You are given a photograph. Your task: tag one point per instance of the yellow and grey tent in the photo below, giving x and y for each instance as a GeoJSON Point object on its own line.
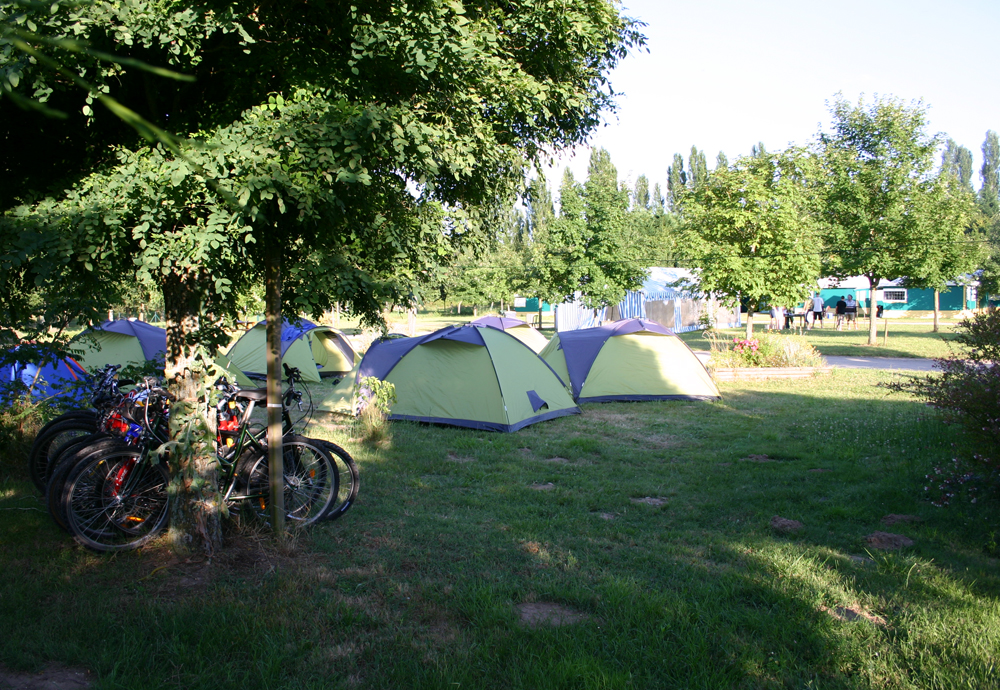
{"type": "Point", "coordinates": [470, 376]}
{"type": "Point", "coordinates": [315, 350]}
{"type": "Point", "coordinates": [633, 359]}
{"type": "Point", "coordinates": [129, 341]}
{"type": "Point", "coordinates": [524, 332]}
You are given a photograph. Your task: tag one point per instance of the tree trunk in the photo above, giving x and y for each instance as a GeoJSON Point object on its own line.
{"type": "Point", "coordinates": [195, 503]}
{"type": "Point", "coordinates": [937, 309]}
{"type": "Point", "coordinates": [275, 456]}
{"type": "Point", "coordinates": [411, 321]}
{"type": "Point", "coordinates": [749, 328]}
{"type": "Point", "coordinates": [873, 309]}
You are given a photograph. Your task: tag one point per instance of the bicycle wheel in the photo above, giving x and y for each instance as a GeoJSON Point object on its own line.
{"type": "Point", "coordinates": [117, 500]}
{"type": "Point", "coordinates": [310, 481]}
{"type": "Point", "coordinates": [55, 488]}
{"type": "Point", "coordinates": [348, 479]}
{"type": "Point", "coordinates": [48, 444]}
{"type": "Point", "coordinates": [72, 414]}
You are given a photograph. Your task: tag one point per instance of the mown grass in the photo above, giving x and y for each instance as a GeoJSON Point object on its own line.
{"type": "Point", "coordinates": [418, 585]}
{"type": "Point", "coordinates": [905, 340]}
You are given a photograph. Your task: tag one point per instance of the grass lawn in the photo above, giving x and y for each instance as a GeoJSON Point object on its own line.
{"type": "Point", "coordinates": [905, 340]}
{"type": "Point", "coordinates": [643, 528]}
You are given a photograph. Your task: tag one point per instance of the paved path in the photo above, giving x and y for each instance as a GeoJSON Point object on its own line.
{"type": "Point", "coordinates": [881, 363]}
{"type": "Point", "coordinates": [905, 363]}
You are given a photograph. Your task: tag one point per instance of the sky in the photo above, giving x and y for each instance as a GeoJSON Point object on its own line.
{"type": "Point", "coordinates": [725, 74]}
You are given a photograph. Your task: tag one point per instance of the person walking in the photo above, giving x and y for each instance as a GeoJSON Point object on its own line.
{"type": "Point", "coordinates": [817, 309]}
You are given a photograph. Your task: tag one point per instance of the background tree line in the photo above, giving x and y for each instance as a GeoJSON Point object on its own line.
{"type": "Point", "coordinates": [868, 198]}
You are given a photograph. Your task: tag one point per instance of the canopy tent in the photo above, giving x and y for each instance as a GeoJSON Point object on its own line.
{"type": "Point", "coordinates": [315, 350]}
{"type": "Point", "coordinates": [47, 380]}
{"type": "Point", "coordinates": [470, 376]}
{"type": "Point", "coordinates": [133, 342]}
{"type": "Point", "coordinates": [633, 359]}
{"type": "Point", "coordinates": [517, 328]}
{"type": "Point", "coordinates": [670, 297]}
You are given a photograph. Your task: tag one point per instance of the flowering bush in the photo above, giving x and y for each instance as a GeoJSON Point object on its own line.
{"type": "Point", "coordinates": [765, 350]}
{"type": "Point", "coordinates": [748, 350]}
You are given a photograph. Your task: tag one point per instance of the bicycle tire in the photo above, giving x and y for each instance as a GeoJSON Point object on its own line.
{"type": "Point", "coordinates": [54, 489]}
{"type": "Point", "coordinates": [47, 444]}
{"type": "Point", "coordinates": [349, 479]}
{"type": "Point", "coordinates": [72, 414]}
{"type": "Point", "coordinates": [311, 480]}
{"type": "Point", "coordinates": [117, 501]}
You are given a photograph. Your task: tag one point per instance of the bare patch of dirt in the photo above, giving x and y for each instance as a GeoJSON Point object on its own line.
{"type": "Point", "coordinates": [452, 457]}
{"type": "Point", "coordinates": [650, 501]}
{"type": "Point", "coordinates": [53, 677]}
{"type": "Point", "coordinates": [780, 524]}
{"type": "Point", "coordinates": [862, 560]}
{"type": "Point", "coordinates": [548, 486]}
{"type": "Point", "coordinates": [557, 460]}
{"type": "Point", "coordinates": [724, 464]}
{"type": "Point", "coordinates": [538, 614]}
{"type": "Point", "coordinates": [757, 458]}
{"type": "Point", "coordinates": [887, 541]}
{"type": "Point", "coordinates": [661, 441]}
{"type": "Point", "coordinates": [853, 613]}
{"type": "Point", "coordinates": [606, 516]}
{"type": "Point", "coordinates": [616, 419]}
{"type": "Point", "coordinates": [892, 518]}
{"type": "Point", "coordinates": [526, 452]}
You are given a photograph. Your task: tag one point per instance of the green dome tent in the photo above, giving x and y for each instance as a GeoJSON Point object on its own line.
{"type": "Point", "coordinates": [315, 350]}
{"type": "Point", "coordinates": [633, 359]}
{"type": "Point", "coordinates": [469, 376]}
{"type": "Point", "coordinates": [524, 332]}
{"type": "Point", "coordinates": [128, 341]}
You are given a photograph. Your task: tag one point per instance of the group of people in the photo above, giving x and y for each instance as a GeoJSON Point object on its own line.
{"type": "Point", "coordinates": [845, 312]}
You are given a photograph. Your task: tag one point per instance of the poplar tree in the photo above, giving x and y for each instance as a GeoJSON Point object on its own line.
{"type": "Point", "coordinates": [721, 162]}
{"type": "Point", "coordinates": [640, 196]}
{"type": "Point", "coordinates": [988, 201]}
{"type": "Point", "coordinates": [697, 167]}
{"type": "Point", "coordinates": [956, 161]}
{"type": "Point", "coordinates": [676, 183]}
{"type": "Point", "coordinates": [989, 173]}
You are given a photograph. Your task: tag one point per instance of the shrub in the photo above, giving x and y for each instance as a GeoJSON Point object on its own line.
{"type": "Point", "coordinates": [764, 350]}
{"type": "Point", "coordinates": [967, 392]}
{"type": "Point", "coordinates": [375, 399]}
{"type": "Point", "coordinates": [20, 419]}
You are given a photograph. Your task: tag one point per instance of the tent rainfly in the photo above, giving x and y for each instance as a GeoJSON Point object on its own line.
{"type": "Point", "coordinates": [315, 350]}
{"type": "Point", "coordinates": [517, 328]}
{"type": "Point", "coordinates": [628, 360]}
{"type": "Point", "coordinates": [128, 341]}
{"type": "Point", "coordinates": [469, 376]}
